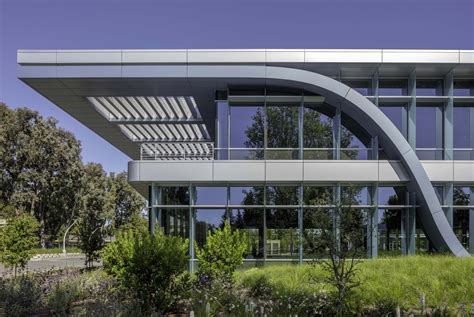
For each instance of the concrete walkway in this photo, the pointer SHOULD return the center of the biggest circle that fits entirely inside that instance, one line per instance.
(47, 263)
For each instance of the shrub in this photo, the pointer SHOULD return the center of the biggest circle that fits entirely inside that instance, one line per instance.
(151, 267)
(17, 240)
(61, 296)
(222, 254)
(21, 296)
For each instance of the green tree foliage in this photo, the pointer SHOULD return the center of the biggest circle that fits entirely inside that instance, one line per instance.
(150, 267)
(127, 202)
(222, 254)
(40, 168)
(17, 241)
(95, 211)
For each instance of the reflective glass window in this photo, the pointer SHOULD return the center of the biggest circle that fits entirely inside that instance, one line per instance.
(393, 87)
(355, 195)
(429, 87)
(282, 195)
(389, 232)
(204, 195)
(250, 221)
(282, 233)
(175, 222)
(173, 195)
(282, 132)
(205, 220)
(318, 195)
(247, 130)
(318, 137)
(397, 114)
(246, 195)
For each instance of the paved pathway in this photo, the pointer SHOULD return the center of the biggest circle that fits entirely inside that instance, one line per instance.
(53, 262)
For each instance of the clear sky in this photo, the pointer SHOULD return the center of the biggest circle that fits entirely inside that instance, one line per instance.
(100, 24)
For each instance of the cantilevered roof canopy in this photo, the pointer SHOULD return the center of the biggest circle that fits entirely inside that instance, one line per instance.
(131, 97)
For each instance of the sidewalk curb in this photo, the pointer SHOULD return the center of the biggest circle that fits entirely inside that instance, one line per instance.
(56, 256)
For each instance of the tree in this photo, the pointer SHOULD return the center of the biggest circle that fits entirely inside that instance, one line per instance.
(18, 238)
(149, 267)
(127, 202)
(40, 168)
(341, 238)
(95, 212)
(222, 254)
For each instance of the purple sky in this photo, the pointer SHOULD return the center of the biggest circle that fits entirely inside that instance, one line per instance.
(99, 24)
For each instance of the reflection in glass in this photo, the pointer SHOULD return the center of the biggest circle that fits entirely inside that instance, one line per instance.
(426, 128)
(355, 195)
(205, 220)
(247, 130)
(317, 224)
(461, 197)
(282, 132)
(246, 195)
(173, 195)
(355, 141)
(318, 195)
(223, 130)
(282, 195)
(463, 132)
(396, 114)
(317, 132)
(204, 195)
(282, 233)
(429, 87)
(389, 232)
(175, 222)
(393, 87)
(250, 221)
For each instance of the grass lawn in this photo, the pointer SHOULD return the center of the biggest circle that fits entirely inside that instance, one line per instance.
(443, 281)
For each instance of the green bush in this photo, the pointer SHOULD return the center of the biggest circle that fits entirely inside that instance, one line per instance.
(21, 296)
(222, 254)
(152, 268)
(17, 240)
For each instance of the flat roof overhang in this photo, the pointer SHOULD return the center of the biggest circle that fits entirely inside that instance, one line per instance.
(69, 78)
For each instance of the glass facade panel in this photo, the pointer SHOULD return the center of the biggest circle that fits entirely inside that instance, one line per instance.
(462, 196)
(205, 220)
(204, 195)
(430, 87)
(282, 233)
(250, 221)
(355, 195)
(389, 232)
(463, 132)
(355, 141)
(247, 131)
(173, 195)
(318, 137)
(316, 225)
(175, 222)
(463, 87)
(223, 130)
(282, 132)
(429, 132)
(282, 195)
(247, 195)
(397, 114)
(393, 87)
(318, 195)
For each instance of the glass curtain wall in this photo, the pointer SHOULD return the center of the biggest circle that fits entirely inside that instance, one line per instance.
(280, 127)
(287, 222)
(463, 132)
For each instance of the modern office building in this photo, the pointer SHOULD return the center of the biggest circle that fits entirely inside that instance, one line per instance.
(266, 138)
